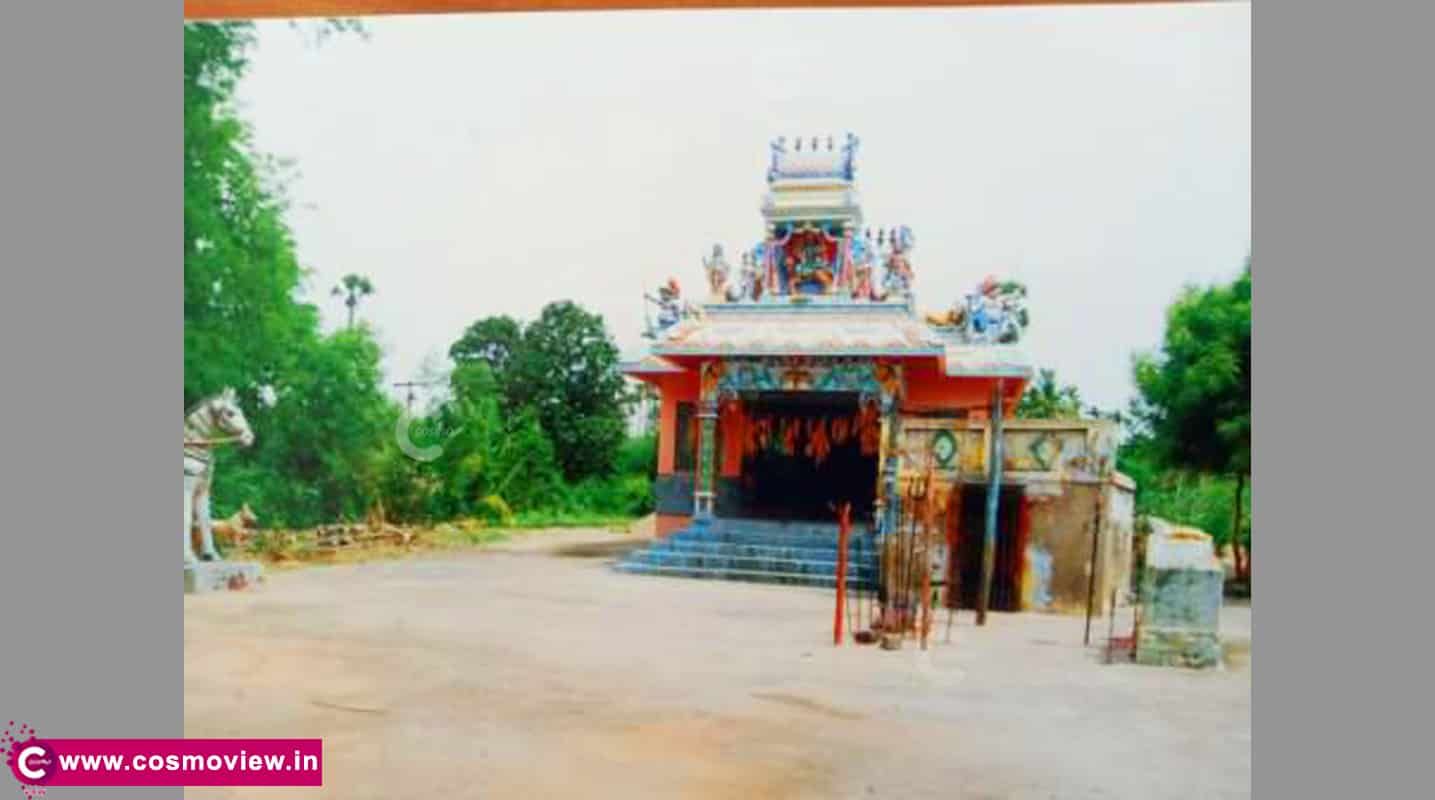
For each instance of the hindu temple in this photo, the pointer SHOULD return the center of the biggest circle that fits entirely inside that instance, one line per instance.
(805, 378)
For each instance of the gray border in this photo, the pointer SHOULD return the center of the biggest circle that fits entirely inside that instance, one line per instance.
(89, 314)
(1342, 200)
(90, 321)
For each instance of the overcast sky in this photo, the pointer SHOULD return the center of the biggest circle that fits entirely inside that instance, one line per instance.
(487, 164)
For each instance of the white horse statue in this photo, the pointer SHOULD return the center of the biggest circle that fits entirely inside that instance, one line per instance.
(215, 421)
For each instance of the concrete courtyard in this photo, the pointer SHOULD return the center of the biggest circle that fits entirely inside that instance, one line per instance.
(531, 671)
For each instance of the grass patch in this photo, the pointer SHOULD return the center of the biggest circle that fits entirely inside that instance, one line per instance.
(570, 519)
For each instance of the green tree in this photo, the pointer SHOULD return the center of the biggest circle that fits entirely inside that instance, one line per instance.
(561, 367)
(241, 321)
(491, 340)
(1195, 393)
(1047, 399)
(244, 322)
(315, 456)
(352, 288)
(567, 372)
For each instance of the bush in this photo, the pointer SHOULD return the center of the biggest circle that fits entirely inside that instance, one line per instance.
(639, 456)
(493, 510)
(626, 495)
(1187, 498)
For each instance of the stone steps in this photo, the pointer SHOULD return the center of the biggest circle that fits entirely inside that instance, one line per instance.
(762, 551)
(816, 553)
(824, 581)
(725, 561)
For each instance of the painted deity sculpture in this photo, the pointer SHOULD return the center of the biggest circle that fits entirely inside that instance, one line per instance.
(993, 314)
(863, 259)
(671, 308)
(749, 286)
(807, 264)
(897, 282)
(215, 421)
(718, 272)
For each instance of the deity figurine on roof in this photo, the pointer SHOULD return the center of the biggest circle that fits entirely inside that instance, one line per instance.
(749, 286)
(863, 257)
(717, 271)
(993, 314)
(671, 309)
(897, 282)
(807, 263)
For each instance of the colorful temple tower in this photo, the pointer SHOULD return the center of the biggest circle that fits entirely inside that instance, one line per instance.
(806, 378)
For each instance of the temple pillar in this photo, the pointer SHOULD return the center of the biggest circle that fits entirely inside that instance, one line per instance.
(707, 460)
(888, 503)
(994, 485)
(705, 487)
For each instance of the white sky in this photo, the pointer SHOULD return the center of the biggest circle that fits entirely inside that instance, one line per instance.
(485, 164)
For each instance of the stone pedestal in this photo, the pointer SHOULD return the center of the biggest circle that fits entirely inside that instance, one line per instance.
(1181, 593)
(220, 576)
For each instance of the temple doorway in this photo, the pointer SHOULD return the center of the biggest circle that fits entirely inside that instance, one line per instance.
(1007, 566)
(807, 454)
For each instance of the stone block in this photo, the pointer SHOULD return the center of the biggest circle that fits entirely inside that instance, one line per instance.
(1178, 648)
(1181, 594)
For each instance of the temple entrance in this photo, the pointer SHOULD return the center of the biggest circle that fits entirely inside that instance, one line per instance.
(806, 453)
(1007, 566)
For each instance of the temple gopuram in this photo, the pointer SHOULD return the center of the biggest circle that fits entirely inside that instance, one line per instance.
(805, 378)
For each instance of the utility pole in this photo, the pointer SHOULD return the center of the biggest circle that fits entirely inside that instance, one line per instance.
(994, 486)
(410, 386)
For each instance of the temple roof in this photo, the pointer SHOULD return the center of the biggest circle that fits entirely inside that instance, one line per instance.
(813, 180)
(814, 330)
(651, 365)
(826, 329)
(986, 360)
(819, 286)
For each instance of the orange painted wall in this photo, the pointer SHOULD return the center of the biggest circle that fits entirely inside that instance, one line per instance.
(673, 389)
(930, 389)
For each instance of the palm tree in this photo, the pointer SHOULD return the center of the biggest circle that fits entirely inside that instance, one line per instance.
(1045, 398)
(353, 288)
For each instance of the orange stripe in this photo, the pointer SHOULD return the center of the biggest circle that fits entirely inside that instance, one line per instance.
(251, 9)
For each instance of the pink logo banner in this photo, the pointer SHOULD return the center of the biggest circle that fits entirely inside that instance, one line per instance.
(167, 762)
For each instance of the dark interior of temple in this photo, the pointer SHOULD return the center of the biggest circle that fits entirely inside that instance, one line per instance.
(796, 485)
(1007, 563)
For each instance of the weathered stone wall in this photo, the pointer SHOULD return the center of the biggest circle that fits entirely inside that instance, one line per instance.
(1058, 548)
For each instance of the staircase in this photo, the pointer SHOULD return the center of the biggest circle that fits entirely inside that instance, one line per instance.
(758, 551)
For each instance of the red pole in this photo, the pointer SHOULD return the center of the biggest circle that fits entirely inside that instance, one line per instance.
(844, 529)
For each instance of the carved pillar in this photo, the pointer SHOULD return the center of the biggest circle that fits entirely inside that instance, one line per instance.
(889, 506)
(705, 485)
(707, 461)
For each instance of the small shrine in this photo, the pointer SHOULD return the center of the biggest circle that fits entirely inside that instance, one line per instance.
(802, 376)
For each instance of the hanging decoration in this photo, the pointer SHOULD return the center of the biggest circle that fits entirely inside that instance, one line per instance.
(869, 429)
(813, 437)
(818, 445)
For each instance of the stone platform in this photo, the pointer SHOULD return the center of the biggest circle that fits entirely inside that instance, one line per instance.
(220, 576)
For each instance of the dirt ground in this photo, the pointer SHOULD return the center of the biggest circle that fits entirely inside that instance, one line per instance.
(534, 670)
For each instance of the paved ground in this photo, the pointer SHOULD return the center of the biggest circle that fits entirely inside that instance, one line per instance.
(524, 673)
